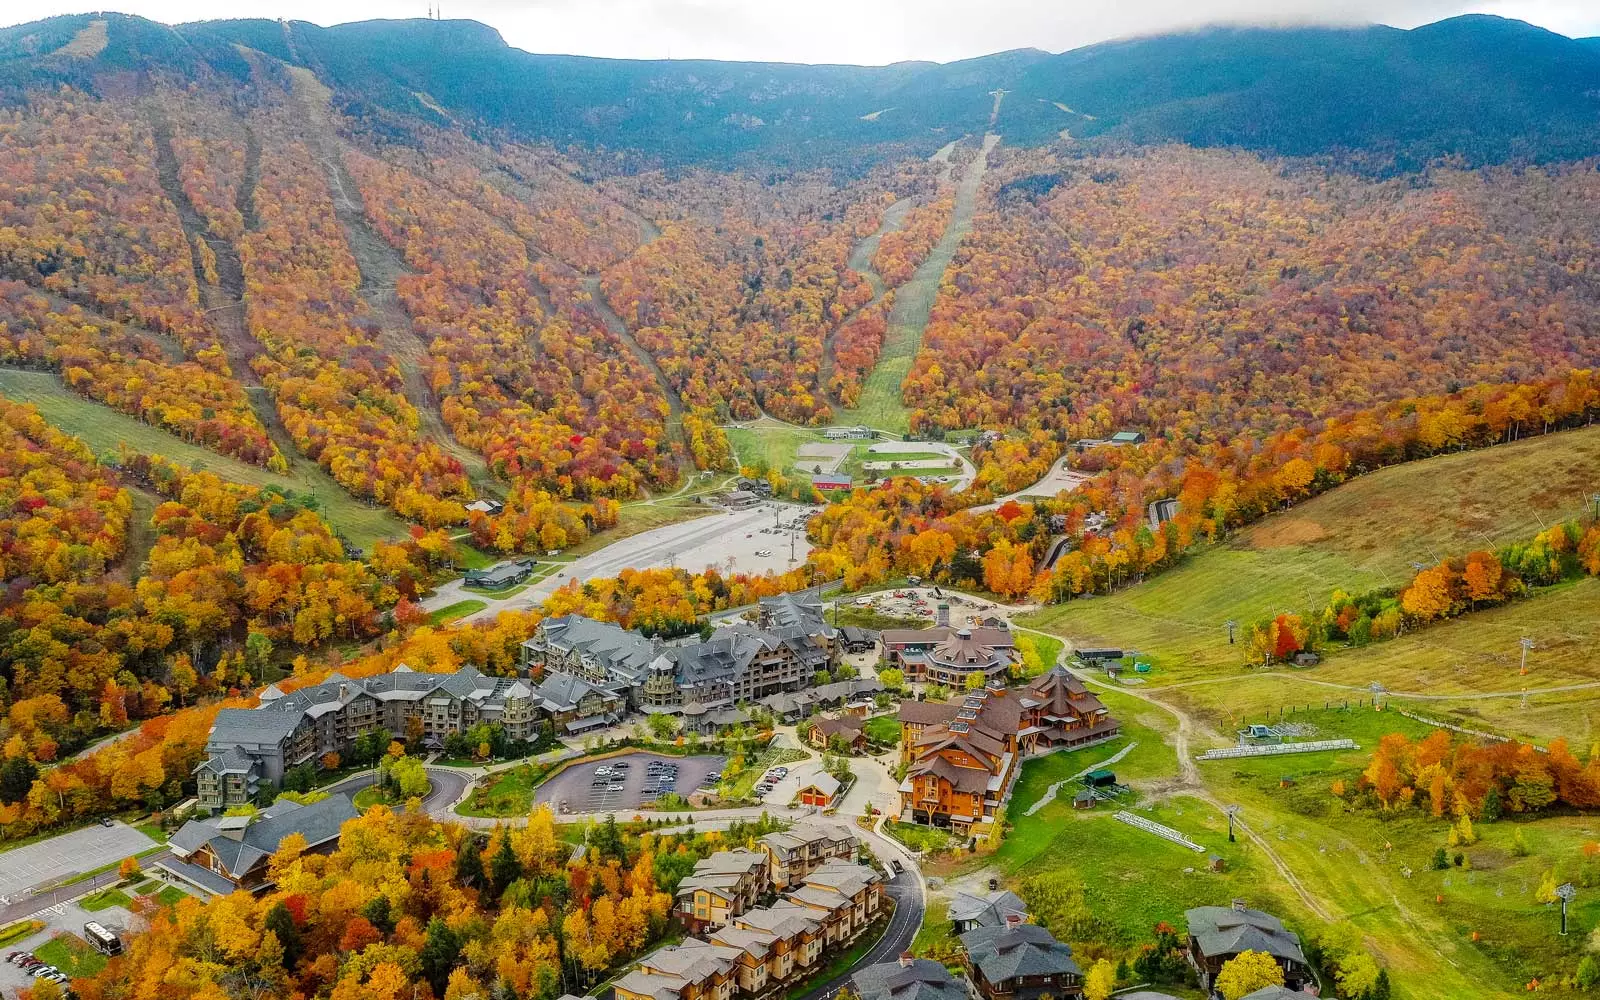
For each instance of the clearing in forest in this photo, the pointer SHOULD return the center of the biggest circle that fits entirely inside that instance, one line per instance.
(882, 402)
(106, 431)
(1365, 534)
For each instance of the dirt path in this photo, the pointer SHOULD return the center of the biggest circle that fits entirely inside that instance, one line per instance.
(860, 261)
(614, 323)
(225, 309)
(1189, 781)
(223, 301)
(881, 396)
(381, 266)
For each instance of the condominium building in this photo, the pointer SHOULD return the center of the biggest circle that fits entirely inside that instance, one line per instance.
(794, 854)
(722, 887)
(764, 947)
(738, 663)
(845, 897)
(963, 755)
(249, 749)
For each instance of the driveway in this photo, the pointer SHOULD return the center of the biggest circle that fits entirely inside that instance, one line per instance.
(448, 786)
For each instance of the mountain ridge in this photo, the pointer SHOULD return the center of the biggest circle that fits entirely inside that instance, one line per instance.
(1477, 87)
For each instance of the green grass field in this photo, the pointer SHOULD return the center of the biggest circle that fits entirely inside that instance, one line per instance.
(1362, 535)
(458, 610)
(105, 430)
(767, 440)
(170, 896)
(1131, 879)
(1374, 870)
(509, 793)
(883, 729)
(104, 900)
(72, 955)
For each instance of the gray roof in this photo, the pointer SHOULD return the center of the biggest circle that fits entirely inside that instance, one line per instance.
(986, 911)
(799, 608)
(234, 726)
(1024, 950)
(1276, 993)
(202, 877)
(562, 692)
(921, 979)
(318, 823)
(230, 761)
(619, 651)
(1226, 930)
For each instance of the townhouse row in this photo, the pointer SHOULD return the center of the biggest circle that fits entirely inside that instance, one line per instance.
(748, 949)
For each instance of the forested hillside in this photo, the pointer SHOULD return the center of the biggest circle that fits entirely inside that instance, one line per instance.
(409, 268)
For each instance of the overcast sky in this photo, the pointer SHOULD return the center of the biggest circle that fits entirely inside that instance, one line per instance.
(855, 31)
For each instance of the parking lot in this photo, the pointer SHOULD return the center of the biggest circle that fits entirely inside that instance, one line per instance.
(69, 854)
(631, 788)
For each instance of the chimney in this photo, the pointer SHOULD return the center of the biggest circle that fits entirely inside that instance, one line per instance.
(906, 959)
(1013, 920)
(344, 692)
(1238, 906)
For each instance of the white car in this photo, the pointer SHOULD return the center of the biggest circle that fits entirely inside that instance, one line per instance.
(763, 553)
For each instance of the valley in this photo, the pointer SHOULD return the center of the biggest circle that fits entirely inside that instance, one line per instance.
(549, 526)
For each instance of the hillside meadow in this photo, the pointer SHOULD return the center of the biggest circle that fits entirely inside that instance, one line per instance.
(1366, 534)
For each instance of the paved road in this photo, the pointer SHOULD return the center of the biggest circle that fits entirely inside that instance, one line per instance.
(448, 785)
(30, 905)
(907, 894)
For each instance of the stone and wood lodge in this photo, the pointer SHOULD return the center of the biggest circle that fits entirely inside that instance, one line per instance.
(964, 755)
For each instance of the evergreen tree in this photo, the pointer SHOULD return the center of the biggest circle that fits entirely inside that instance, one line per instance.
(440, 952)
(281, 922)
(377, 913)
(504, 868)
(607, 839)
(1491, 804)
(1380, 989)
(469, 864)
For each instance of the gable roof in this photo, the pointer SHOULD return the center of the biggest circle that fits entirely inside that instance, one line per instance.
(1004, 953)
(920, 979)
(986, 911)
(1228, 930)
(261, 835)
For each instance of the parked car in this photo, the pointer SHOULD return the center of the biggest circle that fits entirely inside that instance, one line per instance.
(106, 821)
(896, 867)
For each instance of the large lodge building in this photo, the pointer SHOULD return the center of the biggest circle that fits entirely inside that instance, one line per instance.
(577, 674)
(963, 755)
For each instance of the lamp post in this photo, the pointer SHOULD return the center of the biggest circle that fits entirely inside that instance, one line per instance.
(1232, 811)
(1565, 892)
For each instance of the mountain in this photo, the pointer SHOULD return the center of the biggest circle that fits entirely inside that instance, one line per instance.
(1482, 88)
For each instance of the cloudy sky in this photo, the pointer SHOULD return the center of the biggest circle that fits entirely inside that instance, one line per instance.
(856, 31)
